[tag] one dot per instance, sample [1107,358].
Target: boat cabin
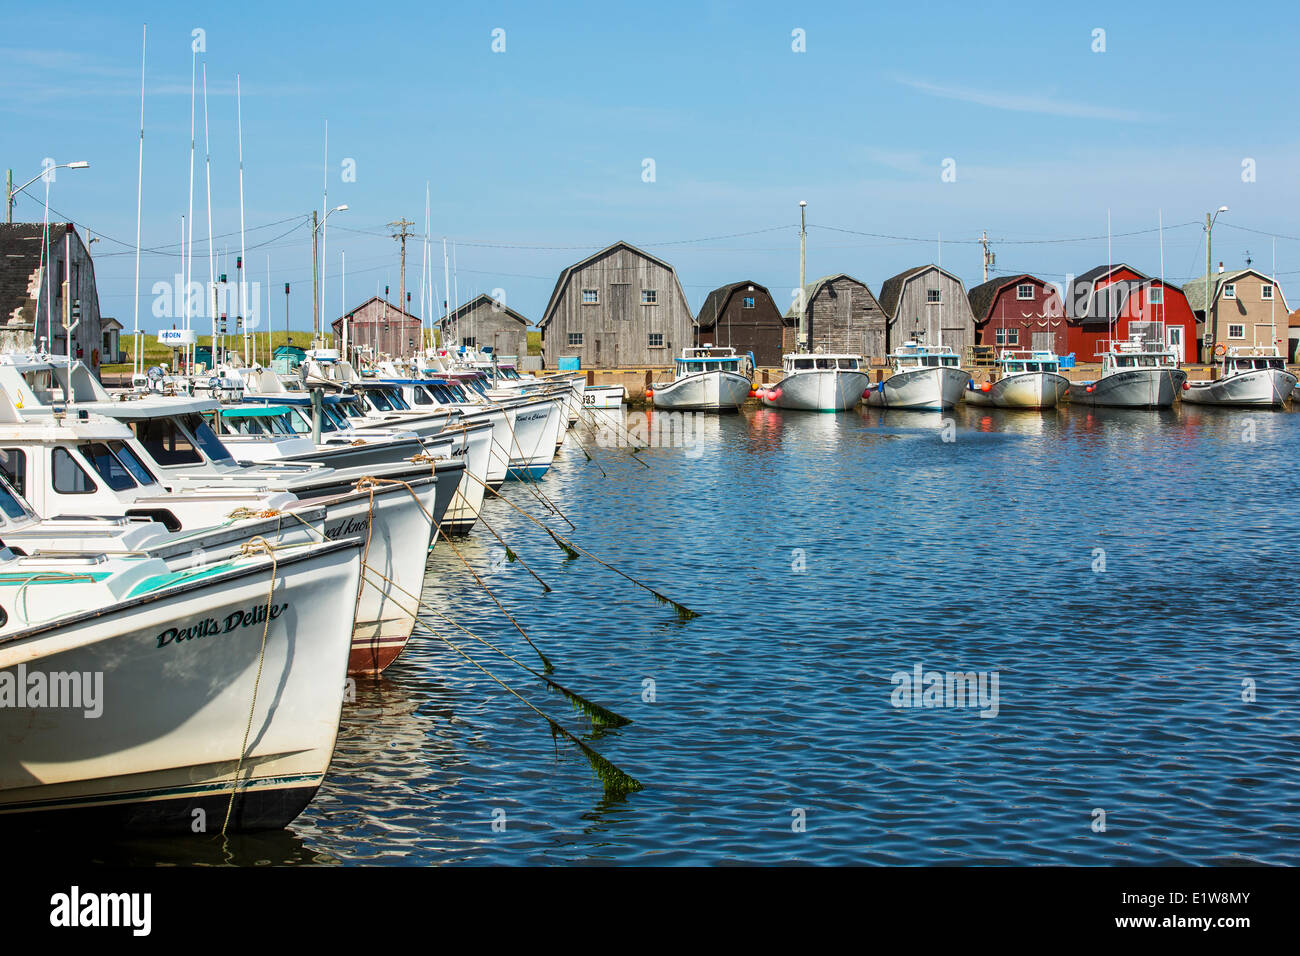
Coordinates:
[805,363]
[1017,362]
[912,354]
[708,359]
[1246,359]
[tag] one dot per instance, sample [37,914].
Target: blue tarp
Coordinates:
[569,364]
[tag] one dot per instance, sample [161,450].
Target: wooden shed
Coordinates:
[843,315]
[380,327]
[928,304]
[744,316]
[485,323]
[1019,312]
[618,307]
[24,285]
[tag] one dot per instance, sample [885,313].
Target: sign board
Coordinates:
[175,338]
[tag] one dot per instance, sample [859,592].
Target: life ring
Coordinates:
[1220,349]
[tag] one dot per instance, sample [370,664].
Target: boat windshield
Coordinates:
[379,400]
[116,464]
[10,504]
[179,441]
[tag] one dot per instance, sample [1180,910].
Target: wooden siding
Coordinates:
[1038,322]
[492,327]
[948,322]
[759,329]
[844,316]
[380,326]
[615,330]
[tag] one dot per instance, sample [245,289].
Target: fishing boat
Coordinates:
[707,378]
[924,377]
[1025,379]
[1133,375]
[817,383]
[141,698]
[1248,378]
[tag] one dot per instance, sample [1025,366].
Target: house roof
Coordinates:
[563,280]
[395,314]
[20,257]
[481,299]
[107,324]
[1079,296]
[716,301]
[812,288]
[892,288]
[1195,289]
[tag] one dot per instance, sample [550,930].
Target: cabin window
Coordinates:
[379,401]
[933,295]
[1156,296]
[13,463]
[468,342]
[649,296]
[1230,290]
[656,340]
[205,437]
[106,464]
[69,477]
[1024,291]
[422,397]
[848,363]
[1236,331]
[590,296]
[1266,292]
[803,363]
[165,441]
[748,302]
[11,505]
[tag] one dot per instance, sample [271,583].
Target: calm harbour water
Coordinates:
[826,553]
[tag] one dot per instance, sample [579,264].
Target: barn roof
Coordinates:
[563,280]
[1079,296]
[892,289]
[812,288]
[716,301]
[481,299]
[20,257]
[982,296]
[1195,289]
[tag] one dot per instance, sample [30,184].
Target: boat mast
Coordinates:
[187,243]
[212,263]
[801,339]
[243,296]
[138,358]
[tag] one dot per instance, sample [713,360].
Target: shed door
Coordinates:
[1043,341]
[616,316]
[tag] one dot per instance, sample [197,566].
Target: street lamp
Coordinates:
[10,192]
[315,284]
[1211,330]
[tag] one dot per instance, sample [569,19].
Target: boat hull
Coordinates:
[703,391]
[926,388]
[1258,388]
[603,396]
[1131,388]
[535,426]
[817,390]
[169,737]
[1027,390]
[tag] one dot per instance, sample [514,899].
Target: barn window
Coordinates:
[1024,291]
[1013,336]
[932,295]
[1000,336]
[590,296]
[575,338]
[1266,292]
[749,302]
[1156,296]
[1230,290]
[649,296]
[1236,331]
[656,340]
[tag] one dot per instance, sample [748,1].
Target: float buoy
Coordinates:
[987,386]
[1186,386]
[649,394]
[1089,388]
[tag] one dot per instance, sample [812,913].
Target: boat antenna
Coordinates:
[139,192]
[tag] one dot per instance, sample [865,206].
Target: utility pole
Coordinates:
[1211,329]
[989,257]
[401,226]
[801,337]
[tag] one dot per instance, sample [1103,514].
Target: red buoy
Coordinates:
[987,386]
[1186,386]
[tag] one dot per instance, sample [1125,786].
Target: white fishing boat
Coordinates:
[707,378]
[1025,379]
[1133,375]
[1248,378]
[817,383]
[140,698]
[927,377]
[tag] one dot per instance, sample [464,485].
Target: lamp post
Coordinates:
[1211,330]
[10,192]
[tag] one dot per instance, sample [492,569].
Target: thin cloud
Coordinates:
[1019,103]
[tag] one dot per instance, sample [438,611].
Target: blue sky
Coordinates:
[534,156]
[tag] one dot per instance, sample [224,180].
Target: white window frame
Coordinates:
[1230,290]
[938,297]
[747,302]
[650,342]
[575,339]
[1013,337]
[1266,293]
[595,297]
[649,296]
[1155,296]
[1025,292]
[1241,331]
[999,336]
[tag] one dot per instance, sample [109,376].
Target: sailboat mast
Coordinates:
[239,121]
[138,358]
[187,243]
[801,339]
[212,253]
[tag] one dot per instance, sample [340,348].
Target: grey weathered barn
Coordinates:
[743,315]
[24,287]
[484,322]
[618,307]
[843,315]
[928,304]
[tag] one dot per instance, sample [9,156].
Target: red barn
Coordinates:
[1019,312]
[1118,302]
